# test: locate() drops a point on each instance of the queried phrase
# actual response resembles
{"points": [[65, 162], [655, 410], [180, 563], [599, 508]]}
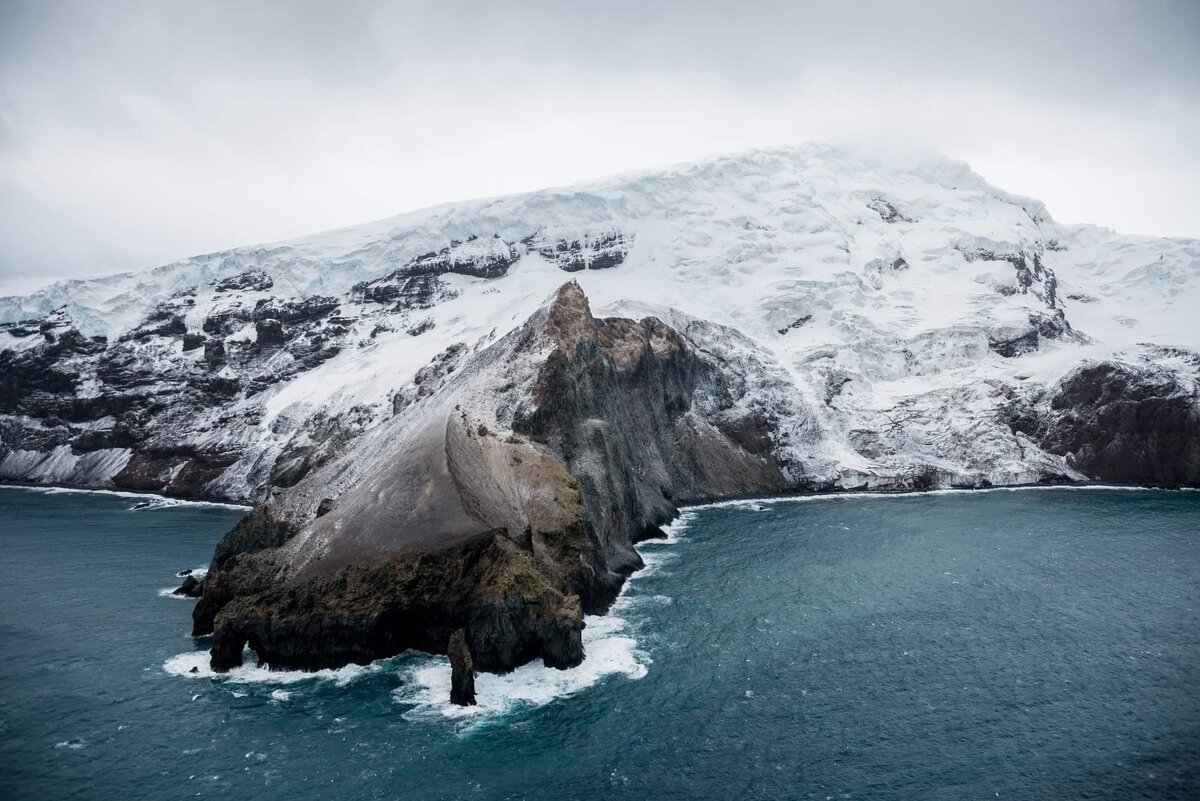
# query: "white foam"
{"points": [[760, 504], [608, 651], [249, 673], [156, 501], [73, 745], [655, 562]]}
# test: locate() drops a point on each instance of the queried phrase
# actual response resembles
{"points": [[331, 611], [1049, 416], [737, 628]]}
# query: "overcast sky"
{"points": [[134, 134]]}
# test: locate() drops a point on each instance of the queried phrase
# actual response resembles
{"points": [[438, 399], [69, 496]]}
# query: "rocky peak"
{"points": [[569, 319]]}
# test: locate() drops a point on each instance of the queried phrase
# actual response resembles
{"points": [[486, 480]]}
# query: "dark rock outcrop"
{"points": [[462, 670], [597, 252], [887, 210], [511, 607], [509, 538], [1041, 328], [190, 588], [252, 280], [1120, 422]]}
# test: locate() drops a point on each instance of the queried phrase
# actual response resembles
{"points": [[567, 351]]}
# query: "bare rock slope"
{"points": [[505, 503]]}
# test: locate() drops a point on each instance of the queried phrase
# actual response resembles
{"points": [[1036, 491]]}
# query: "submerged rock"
{"points": [[190, 588]]}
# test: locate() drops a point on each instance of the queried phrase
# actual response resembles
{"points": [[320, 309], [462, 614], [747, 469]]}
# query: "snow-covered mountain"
{"points": [[907, 321], [456, 423]]}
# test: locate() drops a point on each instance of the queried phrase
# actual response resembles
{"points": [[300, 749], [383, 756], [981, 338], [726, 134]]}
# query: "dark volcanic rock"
{"points": [[163, 322], [601, 252], [252, 280], [1042, 327], [510, 608], [181, 471], [510, 539], [214, 353], [270, 332], [191, 587], [886, 210], [1120, 422], [462, 670], [234, 571]]}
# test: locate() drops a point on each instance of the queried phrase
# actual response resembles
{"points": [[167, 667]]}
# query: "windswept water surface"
{"points": [[1031, 645]]}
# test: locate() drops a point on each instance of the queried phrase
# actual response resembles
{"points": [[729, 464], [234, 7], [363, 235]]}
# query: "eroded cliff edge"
{"points": [[506, 501]]}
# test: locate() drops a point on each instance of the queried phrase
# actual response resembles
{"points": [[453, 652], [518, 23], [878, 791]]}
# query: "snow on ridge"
{"points": [[330, 262], [899, 294]]}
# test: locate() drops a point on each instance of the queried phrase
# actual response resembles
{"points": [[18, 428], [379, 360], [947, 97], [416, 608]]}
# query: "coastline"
{"points": [[798, 497], [57, 489], [805, 497]]}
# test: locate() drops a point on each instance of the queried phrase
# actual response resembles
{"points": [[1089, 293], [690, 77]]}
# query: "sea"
{"points": [[1003, 644]]}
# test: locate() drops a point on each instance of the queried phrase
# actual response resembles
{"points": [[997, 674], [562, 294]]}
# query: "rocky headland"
{"points": [[438, 435]]}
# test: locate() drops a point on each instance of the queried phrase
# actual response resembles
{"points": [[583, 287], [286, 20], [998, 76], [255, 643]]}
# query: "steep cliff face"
{"points": [[504, 503], [1124, 422]]}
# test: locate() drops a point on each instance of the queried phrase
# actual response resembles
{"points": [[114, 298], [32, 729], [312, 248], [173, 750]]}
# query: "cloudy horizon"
{"points": [[134, 135]]}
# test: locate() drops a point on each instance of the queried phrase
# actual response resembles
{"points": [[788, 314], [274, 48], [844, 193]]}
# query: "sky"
{"points": [[133, 134]]}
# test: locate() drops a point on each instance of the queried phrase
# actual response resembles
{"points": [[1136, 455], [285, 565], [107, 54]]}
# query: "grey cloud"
{"points": [[134, 133]]}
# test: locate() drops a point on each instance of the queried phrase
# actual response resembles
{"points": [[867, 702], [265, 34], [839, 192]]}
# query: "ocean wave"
{"points": [[155, 501], [608, 649], [195, 665]]}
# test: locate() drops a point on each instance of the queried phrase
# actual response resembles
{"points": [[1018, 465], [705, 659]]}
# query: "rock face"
{"points": [[1123, 422], [462, 670], [504, 504], [190, 588]]}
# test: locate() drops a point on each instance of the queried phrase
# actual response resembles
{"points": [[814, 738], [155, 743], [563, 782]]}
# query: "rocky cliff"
{"points": [[504, 503], [438, 436]]}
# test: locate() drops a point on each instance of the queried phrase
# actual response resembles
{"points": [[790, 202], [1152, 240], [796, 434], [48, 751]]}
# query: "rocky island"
{"points": [[455, 425]]}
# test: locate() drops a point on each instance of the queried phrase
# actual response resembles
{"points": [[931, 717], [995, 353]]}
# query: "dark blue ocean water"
{"points": [[1022, 645]]}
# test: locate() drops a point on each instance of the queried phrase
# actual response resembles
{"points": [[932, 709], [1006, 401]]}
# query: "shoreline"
{"points": [[841, 494], [55, 489], [796, 497]]}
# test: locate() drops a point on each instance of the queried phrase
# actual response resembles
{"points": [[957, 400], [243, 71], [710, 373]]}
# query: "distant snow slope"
{"points": [[900, 304]]}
